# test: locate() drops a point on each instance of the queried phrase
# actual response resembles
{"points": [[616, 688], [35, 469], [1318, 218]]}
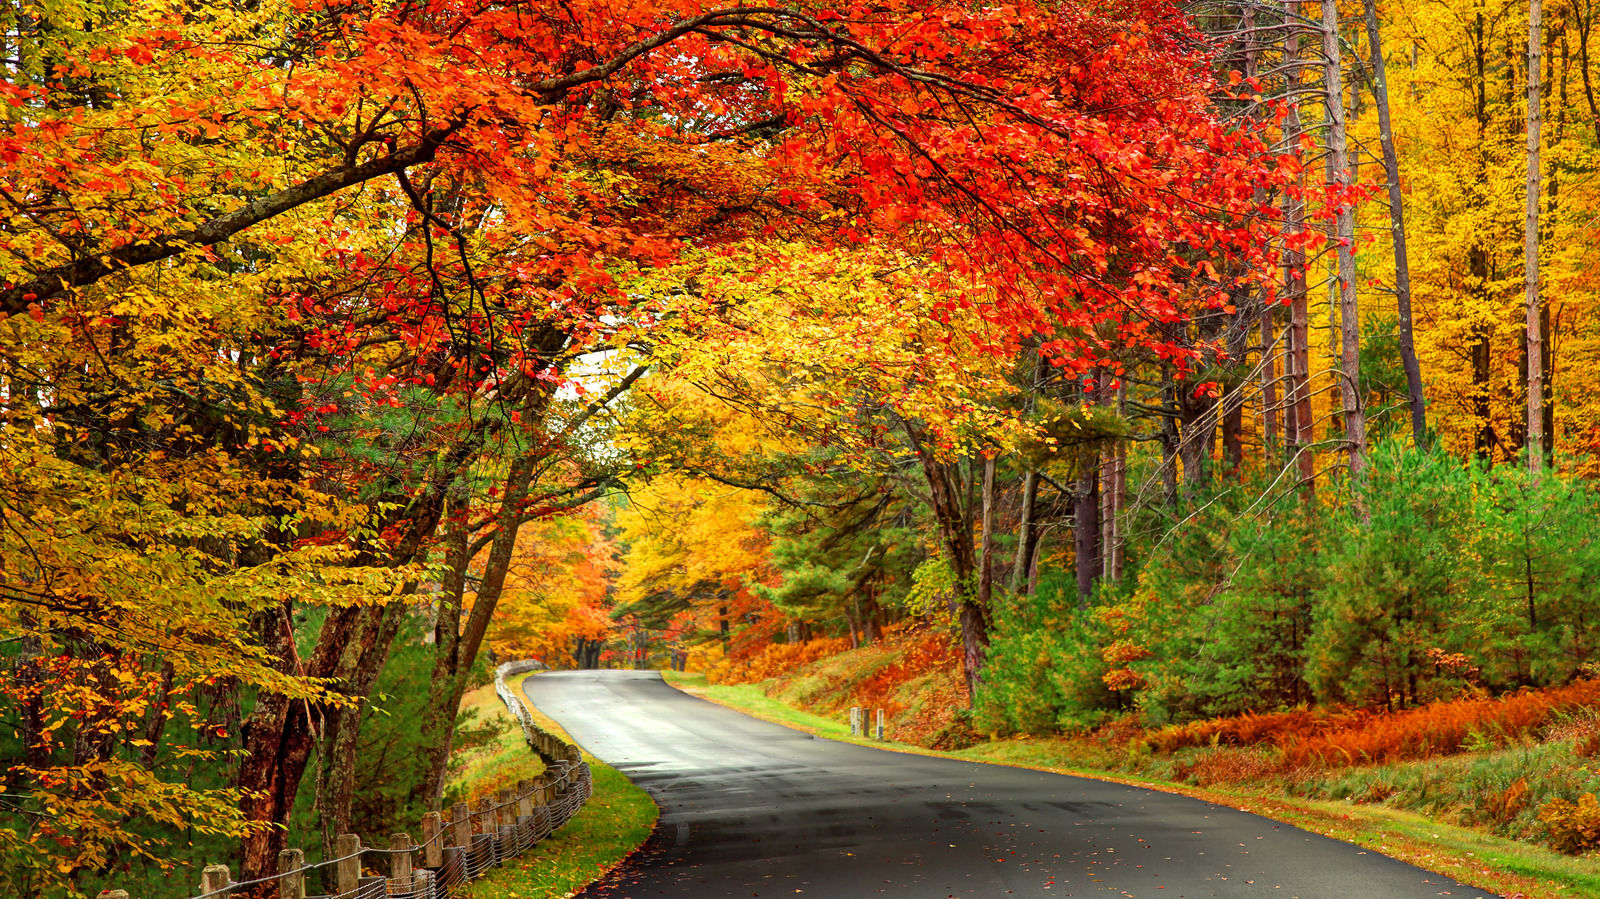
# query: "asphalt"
{"points": [[752, 809]]}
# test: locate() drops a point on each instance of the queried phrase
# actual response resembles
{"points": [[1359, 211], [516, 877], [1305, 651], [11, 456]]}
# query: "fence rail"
{"points": [[455, 849]]}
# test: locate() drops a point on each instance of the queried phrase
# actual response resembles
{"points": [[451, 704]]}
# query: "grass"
{"points": [[615, 821], [502, 761], [1497, 863]]}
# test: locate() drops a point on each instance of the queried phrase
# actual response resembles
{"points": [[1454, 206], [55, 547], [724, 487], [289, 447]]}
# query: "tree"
{"points": [[337, 265]]}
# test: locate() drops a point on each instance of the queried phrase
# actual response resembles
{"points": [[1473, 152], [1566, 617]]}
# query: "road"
{"points": [[752, 809]]}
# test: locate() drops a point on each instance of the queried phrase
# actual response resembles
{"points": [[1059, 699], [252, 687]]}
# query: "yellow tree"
{"points": [[557, 596]]}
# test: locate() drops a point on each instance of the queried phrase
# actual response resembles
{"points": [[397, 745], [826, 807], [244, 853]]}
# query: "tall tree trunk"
{"points": [[986, 547], [1300, 436], [1169, 441], [279, 736], [1416, 400], [1269, 384], [1019, 567], [1530, 247], [1113, 495], [954, 520], [1197, 429], [342, 730], [445, 692], [1352, 402], [1234, 396], [1086, 533], [438, 716]]}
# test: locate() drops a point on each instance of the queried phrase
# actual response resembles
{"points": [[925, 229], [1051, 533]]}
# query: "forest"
{"points": [[1133, 362]]}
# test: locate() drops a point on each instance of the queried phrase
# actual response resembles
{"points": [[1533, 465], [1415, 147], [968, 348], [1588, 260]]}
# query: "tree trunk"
{"points": [[1416, 400], [1269, 384], [955, 531], [1351, 400], [342, 730], [1300, 436], [986, 546], [1019, 566], [278, 737], [451, 671], [1086, 534], [1530, 248], [1169, 442], [438, 720]]}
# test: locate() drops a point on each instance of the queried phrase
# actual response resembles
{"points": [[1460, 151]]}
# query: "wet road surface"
{"points": [[752, 809]]}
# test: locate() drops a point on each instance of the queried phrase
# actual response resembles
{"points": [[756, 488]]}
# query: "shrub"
{"points": [[778, 658], [1574, 827], [1443, 727]]}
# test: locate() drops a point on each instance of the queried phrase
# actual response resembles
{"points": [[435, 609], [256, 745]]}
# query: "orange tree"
{"points": [[289, 290]]}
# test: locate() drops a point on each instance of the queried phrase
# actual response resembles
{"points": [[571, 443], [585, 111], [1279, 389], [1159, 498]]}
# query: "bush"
{"points": [[1574, 827]]}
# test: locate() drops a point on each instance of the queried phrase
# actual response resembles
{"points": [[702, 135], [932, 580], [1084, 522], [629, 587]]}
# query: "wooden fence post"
{"points": [[432, 837], [214, 879], [502, 813], [461, 823], [291, 877], [524, 798], [400, 863], [347, 875]]}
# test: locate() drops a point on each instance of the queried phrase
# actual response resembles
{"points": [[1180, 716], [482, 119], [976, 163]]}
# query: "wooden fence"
{"points": [[453, 850]]}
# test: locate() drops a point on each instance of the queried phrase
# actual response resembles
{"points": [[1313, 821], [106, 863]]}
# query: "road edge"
{"points": [[1383, 832]]}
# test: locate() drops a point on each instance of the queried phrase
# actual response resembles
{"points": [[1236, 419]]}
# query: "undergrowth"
{"points": [[912, 673]]}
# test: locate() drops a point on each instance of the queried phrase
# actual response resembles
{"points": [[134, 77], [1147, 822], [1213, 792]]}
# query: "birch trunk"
{"points": [[1355, 424]]}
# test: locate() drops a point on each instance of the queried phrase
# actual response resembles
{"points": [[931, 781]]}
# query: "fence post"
{"points": [[480, 811], [400, 863], [462, 825], [432, 834], [880, 724], [291, 877], [214, 879], [347, 875], [855, 721], [504, 817], [524, 798]]}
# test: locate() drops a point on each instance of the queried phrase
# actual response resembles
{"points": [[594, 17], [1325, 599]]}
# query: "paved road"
{"points": [[751, 809]]}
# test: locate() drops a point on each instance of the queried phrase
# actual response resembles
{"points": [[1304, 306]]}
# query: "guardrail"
{"points": [[454, 850]]}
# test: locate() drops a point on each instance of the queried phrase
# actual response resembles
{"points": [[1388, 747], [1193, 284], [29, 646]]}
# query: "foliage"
{"points": [[558, 589], [776, 659], [1574, 827], [1540, 542], [1333, 738], [1046, 668], [1397, 591]]}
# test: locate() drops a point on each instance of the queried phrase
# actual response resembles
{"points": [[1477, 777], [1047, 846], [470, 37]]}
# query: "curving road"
{"points": [[752, 809]]}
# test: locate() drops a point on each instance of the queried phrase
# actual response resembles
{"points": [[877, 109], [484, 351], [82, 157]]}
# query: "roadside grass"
{"points": [[499, 763], [614, 823], [1503, 865]]}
